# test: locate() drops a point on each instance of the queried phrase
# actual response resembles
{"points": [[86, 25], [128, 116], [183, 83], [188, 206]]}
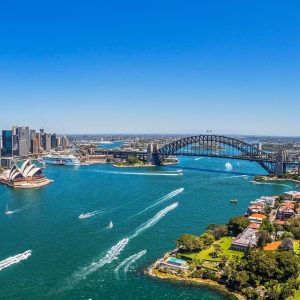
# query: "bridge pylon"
{"points": [[280, 167]]}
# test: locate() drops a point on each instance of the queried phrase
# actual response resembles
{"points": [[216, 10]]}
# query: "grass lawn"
{"points": [[296, 248], [297, 295], [224, 243]]}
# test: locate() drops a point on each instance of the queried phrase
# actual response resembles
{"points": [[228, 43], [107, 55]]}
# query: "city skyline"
{"points": [[155, 68]]}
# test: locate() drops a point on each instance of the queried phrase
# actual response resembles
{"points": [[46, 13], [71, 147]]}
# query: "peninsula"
{"points": [[255, 256]]}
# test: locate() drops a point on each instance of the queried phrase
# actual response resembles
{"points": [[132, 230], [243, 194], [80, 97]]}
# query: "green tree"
{"points": [[189, 243], [263, 238], [241, 278], [262, 265], [238, 224], [218, 230], [132, 160], [288, 265], [296, 232], [267, 225], [288, 235], [207, 238]]}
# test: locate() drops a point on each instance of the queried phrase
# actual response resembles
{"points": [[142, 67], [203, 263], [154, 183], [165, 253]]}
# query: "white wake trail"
{"points": [[238, 176], [153, 220], [145, 174], [163, 199], [110, 256], [90, 214], [128, 262], [199, 158], [11, 212], [271, 183], [14, 259]]}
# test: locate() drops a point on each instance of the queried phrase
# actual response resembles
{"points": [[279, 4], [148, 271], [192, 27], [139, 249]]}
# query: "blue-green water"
{"points": [[70, 256]]}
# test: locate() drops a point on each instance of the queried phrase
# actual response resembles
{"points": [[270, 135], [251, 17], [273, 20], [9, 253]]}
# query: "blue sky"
{"points": [[151, 66]]}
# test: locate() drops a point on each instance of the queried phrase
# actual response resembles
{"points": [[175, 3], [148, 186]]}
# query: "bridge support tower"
{"points": [[280, 167]]}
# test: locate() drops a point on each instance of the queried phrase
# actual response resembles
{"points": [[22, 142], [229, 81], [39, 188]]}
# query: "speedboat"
{"points": [[233, 201]]}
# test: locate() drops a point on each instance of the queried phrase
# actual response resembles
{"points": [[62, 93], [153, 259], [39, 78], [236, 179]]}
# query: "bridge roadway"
{"points": [[143, 155], [207, 146]]}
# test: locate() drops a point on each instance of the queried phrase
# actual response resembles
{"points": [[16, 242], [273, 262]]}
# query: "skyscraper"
{"points": [[7, 143], [23, 134], [23, 149], [53, 141], [46, 141]]}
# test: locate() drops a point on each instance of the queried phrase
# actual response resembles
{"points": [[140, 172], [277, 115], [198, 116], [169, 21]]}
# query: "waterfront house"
{"points": [[297, 212], [248, 238], [270, 201], [292, 194], [297, 199], [254, 226], [285, 212], [255, 209], [257, 218]]}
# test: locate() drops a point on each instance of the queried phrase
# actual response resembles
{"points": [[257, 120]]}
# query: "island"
{"points": [[254, 256]]}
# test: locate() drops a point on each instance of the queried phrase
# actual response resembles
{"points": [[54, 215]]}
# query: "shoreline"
{"points": [[278, 179], [151, 271]]}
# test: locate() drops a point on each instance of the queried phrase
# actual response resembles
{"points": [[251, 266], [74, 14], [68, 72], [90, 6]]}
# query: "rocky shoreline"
{"points": [[153, 272]]}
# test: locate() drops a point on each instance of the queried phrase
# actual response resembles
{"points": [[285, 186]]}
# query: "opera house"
{"points": [[25, 177]]}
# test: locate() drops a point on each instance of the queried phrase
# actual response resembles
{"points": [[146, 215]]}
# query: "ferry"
{"points": [[61, 160]]}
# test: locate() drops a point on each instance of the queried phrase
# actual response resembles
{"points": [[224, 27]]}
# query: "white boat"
{"points": [[8, 212], [14, 259], [111, 225], [61, 159]]}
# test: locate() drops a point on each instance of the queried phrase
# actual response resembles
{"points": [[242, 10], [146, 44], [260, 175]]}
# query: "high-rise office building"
{"points": [[47, 141], [15, 140], [24, 134], [35, 146], [23, 149], [53, 141], [64, 142], [7, 149]]}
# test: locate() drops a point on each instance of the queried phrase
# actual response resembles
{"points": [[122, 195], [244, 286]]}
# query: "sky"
{"points": [[151, 66]]}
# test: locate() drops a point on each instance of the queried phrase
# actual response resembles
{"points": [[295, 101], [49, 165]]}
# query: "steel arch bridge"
{"points": [[210, 146]]}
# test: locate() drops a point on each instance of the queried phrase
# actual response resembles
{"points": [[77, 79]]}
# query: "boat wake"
{"points": [[14, 259], [115, 251], [153, 220], [90, 214], [128, 262], [109, 257], [238, 176], [11, 212], [271, 183], [146, 174], [163, 199], [199, 158]]}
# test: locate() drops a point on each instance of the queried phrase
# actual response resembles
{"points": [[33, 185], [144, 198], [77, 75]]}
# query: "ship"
{"points": [[61, 160]]}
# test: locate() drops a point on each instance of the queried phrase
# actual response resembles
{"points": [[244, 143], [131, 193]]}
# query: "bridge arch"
{"points": [[243, 150]]}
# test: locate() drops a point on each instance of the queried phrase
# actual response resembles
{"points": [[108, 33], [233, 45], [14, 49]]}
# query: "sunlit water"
{"points": [[80, 258]]}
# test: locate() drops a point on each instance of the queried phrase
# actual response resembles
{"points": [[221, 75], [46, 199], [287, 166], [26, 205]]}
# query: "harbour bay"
{"points": [[75, 258]]}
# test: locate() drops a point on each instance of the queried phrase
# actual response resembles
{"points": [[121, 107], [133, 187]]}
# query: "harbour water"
{"points": [[85, 258]]}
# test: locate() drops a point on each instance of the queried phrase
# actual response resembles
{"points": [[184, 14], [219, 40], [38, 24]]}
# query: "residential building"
{"points": [[257, 218], [247, 239]]}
